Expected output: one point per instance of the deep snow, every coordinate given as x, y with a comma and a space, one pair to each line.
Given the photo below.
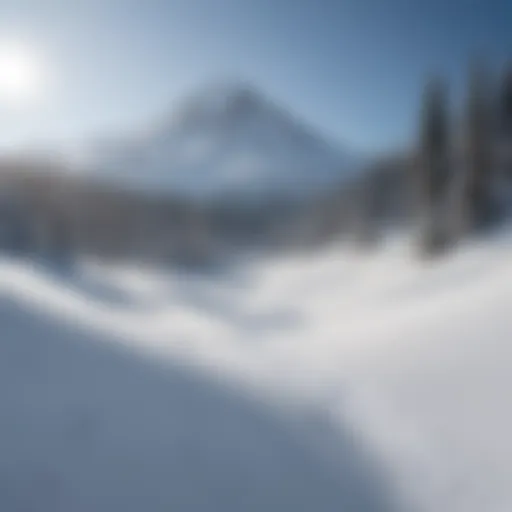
329, 381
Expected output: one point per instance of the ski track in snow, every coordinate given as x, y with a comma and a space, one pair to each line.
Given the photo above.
311, 382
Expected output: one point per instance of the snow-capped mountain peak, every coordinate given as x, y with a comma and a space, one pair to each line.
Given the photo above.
227, 139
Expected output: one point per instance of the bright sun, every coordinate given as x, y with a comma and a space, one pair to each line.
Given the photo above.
20, 74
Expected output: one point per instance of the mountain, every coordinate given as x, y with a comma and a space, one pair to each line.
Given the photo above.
225, 140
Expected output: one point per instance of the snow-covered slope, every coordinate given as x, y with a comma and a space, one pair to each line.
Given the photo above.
225, 140
375, 376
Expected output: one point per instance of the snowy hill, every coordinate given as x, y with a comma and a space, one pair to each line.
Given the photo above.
225, 140
362, 384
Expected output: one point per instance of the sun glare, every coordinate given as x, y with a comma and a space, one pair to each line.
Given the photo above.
20, 74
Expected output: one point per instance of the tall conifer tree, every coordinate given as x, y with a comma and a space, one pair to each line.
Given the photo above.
433, 167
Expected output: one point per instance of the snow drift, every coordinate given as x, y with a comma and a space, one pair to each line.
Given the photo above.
362, 383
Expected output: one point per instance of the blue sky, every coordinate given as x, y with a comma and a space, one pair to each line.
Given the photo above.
353, 68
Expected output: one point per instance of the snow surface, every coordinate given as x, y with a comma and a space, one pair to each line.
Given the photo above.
225, 140
332, 381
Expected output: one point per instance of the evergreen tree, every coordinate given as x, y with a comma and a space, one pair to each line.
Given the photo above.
505, 105
363, 209
433, 168
476, 199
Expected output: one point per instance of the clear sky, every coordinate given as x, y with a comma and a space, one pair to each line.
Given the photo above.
353, 68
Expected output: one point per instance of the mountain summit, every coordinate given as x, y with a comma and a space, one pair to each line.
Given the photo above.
226, 140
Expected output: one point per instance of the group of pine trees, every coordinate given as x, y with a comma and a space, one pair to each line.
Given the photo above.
456, 163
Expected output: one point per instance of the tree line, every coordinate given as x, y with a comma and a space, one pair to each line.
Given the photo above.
459, 163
